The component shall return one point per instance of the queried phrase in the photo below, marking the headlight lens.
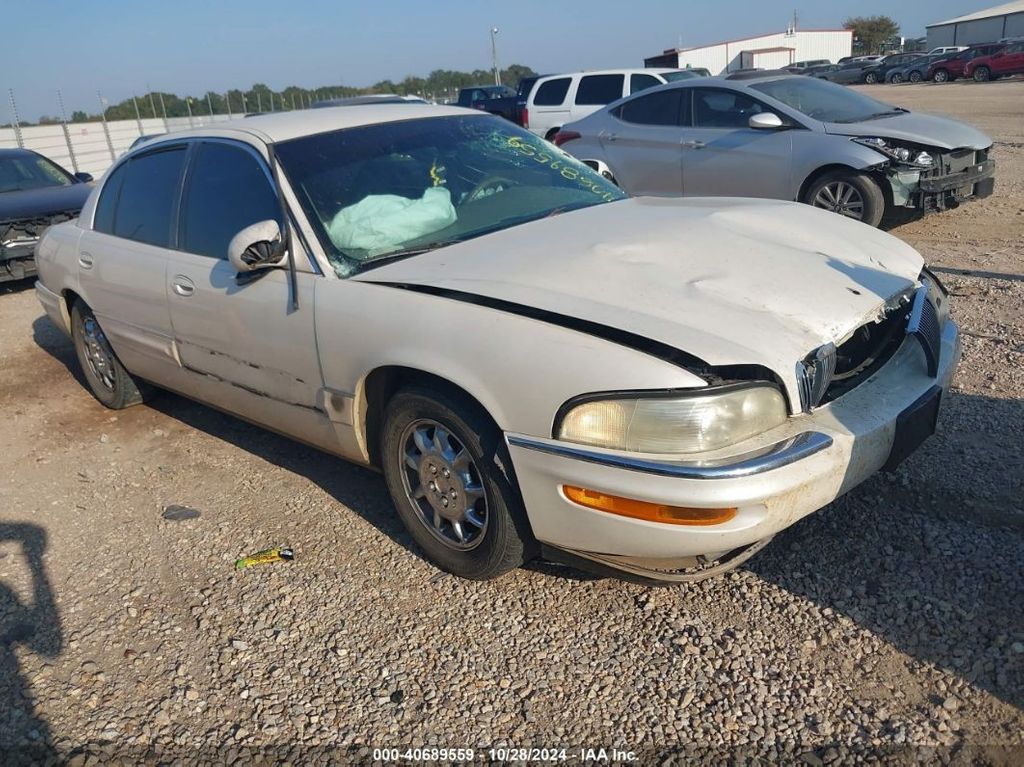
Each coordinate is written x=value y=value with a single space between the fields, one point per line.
x=898 y=153
x=690 y=423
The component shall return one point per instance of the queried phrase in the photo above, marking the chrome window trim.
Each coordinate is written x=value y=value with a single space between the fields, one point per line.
x=774 y=456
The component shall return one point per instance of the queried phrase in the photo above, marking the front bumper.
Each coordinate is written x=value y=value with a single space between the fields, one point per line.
x=914 y=189
x=779 y=478
x=54 y=307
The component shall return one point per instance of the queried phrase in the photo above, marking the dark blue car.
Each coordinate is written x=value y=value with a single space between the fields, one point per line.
x=34 y=193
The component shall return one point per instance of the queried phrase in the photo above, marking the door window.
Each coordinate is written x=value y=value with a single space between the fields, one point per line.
x=552 y=93
x=228 y=190
x=714 y=108
x=599 y=89
x=145 y=205
x=103 y=219
x=662 y=108
x=639 y=82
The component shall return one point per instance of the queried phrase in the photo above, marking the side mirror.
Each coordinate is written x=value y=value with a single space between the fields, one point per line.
x=258 y=246
x=765 y=121
x=84 y=177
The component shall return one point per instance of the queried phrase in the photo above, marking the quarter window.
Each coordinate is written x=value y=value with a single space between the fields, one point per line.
x=639 y=82
x=103 y=219
x=228 y=190
x=552 y=93
x=598 y=90
x=145 y=205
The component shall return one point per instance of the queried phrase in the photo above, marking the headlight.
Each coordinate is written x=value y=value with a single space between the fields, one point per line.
x=675 y=423
x=900 y=154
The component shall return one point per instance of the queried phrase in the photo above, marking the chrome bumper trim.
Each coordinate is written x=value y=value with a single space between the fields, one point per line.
x=772 y=457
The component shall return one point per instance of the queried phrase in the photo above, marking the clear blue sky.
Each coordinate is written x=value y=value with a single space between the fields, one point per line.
x=118 y=47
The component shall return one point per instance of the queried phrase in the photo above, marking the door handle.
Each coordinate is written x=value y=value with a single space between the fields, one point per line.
x=85 y=260
x=183 y=286
x=612 y=136
x=694 y=144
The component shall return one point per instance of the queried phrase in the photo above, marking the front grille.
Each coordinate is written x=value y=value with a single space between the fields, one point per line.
x=924 y=326
x=19 y=237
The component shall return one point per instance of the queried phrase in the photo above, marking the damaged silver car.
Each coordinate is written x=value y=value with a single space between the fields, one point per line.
x=781 y=136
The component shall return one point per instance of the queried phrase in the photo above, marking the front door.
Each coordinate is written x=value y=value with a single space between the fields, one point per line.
x=723 y=156
x=241 y=341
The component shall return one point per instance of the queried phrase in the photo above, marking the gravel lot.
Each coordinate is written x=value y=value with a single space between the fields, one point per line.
x=891 y=621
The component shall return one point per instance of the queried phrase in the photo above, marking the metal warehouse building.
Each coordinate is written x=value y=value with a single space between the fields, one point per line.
x=990 y=25
x=764 y=51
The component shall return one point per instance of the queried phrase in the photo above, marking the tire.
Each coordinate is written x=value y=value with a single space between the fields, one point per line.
x=896 y=79
x=848 y=193
x=941 y=76
x=463 y=457
x=982 y=75
x=550 y=135
x=915 y=77
x=871 y=78
x=107 y=378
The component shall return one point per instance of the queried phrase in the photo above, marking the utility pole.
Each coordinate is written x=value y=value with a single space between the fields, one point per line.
x=138 y=117
x=106 y=129
x=67 y=133
x=227 y=101
x=494 y=56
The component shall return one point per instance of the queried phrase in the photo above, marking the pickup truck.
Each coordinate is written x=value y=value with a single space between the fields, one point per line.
x=499 y=99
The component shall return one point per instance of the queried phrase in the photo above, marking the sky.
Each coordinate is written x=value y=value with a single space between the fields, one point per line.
x=122 y=48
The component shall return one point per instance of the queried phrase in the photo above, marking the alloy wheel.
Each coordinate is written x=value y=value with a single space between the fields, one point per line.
x=443 y=484
x=871 y=78
x=841 y=197
x=915 y=77
x=982 y=74
x=941 y=76
x=896 y=79
x=98 y=354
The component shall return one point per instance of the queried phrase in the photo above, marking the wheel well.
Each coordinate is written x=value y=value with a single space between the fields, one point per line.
x=70 y=298
x=550 y=135
x=382 y=384
x=824 y=169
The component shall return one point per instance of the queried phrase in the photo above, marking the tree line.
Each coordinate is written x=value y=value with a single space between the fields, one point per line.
x=440 y=85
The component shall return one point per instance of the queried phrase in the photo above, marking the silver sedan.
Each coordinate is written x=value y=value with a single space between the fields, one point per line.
x=776 y=135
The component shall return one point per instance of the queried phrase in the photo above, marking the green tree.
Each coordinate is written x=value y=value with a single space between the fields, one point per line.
x=78 y=116
x=870 y=33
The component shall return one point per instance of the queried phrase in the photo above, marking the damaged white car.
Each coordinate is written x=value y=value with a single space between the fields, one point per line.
x=538 y=365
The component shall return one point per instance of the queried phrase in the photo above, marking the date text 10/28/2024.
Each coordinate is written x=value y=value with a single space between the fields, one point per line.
x=506 y=754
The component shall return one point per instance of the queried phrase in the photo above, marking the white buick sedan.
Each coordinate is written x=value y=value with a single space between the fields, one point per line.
x=538 y=365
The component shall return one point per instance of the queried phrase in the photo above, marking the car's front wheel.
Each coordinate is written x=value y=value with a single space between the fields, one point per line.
x=982 y=75
x=941 y=76
x=871 y=78
x=108 y=380
x=848 y=193
x=450 y=477
x=915 y=77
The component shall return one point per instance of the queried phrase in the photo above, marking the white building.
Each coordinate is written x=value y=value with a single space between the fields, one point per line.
x=988 y=26
x=764 y=51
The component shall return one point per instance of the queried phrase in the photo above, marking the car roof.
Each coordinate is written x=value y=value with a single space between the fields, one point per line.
x=623 y=71
x=15 y=152
x=284 y=126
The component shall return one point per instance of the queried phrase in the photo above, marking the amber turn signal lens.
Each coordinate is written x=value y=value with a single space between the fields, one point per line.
x=652 y=512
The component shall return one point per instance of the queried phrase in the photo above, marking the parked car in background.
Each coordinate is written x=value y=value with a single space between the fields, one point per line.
x=35 y=193
x=510 y=106
x=816 y=70
x=787 y=137
x=1008 y=61
x=476 y=96
x=537 y=364
x=878 y=72
x=558 y=99
x=952 y=67
x=798 y=67
x=914 y=71
x=945 y=50
x=850 y=73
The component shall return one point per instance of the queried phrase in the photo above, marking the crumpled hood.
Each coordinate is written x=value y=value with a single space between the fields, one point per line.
x=917 y=128
x=31 y=203
x=731 y=281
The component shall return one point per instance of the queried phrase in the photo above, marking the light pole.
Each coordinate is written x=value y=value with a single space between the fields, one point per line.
x=494 y=56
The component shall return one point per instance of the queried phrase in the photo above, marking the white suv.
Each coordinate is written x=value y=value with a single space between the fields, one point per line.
x=559 y=99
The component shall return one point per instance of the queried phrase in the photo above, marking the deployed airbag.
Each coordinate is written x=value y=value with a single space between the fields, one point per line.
x=382 y=222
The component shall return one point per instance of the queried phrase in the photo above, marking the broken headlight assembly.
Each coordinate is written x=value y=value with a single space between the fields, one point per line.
x=673 y=421
x=915 y=158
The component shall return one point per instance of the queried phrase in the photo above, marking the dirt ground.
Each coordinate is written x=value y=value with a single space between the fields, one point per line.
x=892 y=620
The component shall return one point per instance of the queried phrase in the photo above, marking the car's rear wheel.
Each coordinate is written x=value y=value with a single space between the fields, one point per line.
x=871 y=78
x=848 y=193
x=941 y=76
x=108 y=380
x=915 y=77
x=982 y=75
x=450 y=477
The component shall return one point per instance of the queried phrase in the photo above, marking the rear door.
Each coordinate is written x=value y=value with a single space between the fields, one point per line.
x=723 y=156
x=643 y=145
x=548 y=105
x=122 y=259
x=596 y=91
x=241 y=338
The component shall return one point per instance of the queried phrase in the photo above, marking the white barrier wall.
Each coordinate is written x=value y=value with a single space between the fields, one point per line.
x=87 y=146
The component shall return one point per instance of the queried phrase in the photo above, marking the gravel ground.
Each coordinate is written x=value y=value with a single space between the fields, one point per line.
x=889 y=623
